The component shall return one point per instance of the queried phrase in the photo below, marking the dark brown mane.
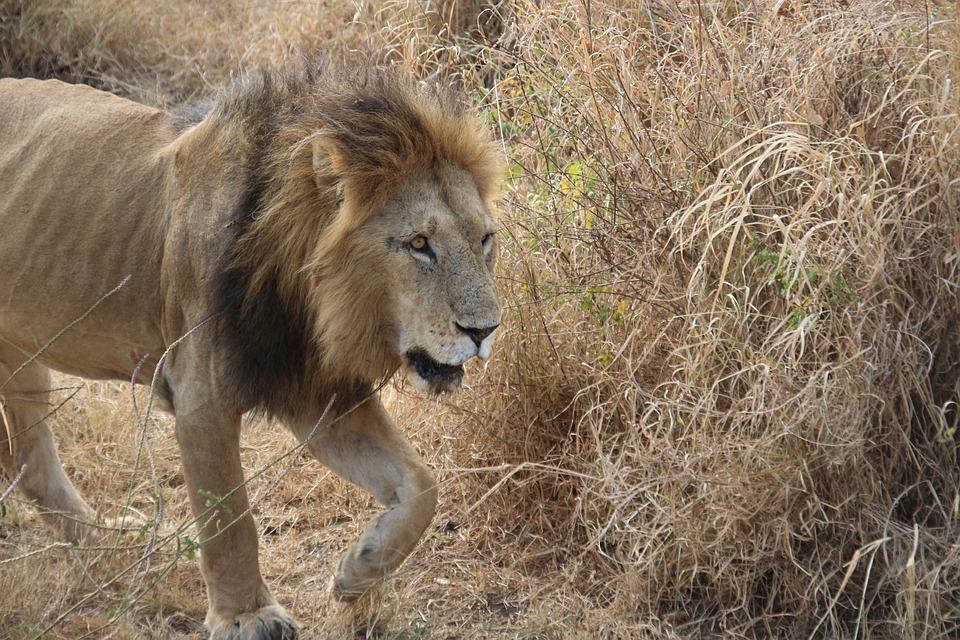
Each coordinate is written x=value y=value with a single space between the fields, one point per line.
x=322 y=149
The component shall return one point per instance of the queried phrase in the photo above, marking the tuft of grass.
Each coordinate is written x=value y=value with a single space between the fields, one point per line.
x=724 y=400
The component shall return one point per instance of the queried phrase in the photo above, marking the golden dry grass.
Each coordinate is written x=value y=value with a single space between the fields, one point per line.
x=724 y=403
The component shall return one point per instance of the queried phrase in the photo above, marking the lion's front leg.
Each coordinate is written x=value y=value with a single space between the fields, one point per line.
x=366 y=448
x=240 y=605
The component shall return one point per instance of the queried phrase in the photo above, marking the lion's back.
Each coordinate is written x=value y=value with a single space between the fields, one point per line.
x=79 y=122
x=31 y=94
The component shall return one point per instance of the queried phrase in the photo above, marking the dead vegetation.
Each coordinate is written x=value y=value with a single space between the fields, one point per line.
x=725 y=403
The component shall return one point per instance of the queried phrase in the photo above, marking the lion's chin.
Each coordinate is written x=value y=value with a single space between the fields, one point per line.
x=432 y=376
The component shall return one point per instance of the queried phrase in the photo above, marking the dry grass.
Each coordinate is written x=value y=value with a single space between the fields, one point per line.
x=725 y=403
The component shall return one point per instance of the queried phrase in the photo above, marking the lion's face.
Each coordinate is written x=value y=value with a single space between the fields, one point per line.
x=440 y=248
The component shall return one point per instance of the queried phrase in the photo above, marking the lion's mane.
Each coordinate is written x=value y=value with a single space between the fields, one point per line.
x=298 y=297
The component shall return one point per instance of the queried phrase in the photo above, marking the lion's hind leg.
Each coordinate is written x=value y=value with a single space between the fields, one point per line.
x=366 y=448
x=26 y=443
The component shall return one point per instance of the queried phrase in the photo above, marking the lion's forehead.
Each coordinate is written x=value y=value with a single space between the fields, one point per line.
x=436 y=208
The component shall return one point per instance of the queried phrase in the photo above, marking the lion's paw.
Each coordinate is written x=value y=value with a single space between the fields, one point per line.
x=79 y=531
x=347 y=591
x=268 y=623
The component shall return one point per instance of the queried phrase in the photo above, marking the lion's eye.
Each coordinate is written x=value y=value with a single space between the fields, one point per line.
x=421 y=249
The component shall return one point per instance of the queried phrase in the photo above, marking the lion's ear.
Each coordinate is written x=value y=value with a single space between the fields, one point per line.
x=362 y=168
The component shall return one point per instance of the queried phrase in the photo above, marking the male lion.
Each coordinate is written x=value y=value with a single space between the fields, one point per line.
x=305 y=239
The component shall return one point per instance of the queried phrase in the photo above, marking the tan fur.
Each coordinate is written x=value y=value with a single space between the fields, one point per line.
x=305 y=239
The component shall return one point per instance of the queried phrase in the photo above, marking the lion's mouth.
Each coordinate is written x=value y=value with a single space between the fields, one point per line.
x=439 y=376
x=428 y=368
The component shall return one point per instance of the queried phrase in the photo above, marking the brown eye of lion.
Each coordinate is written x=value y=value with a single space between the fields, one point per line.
x=419 y=243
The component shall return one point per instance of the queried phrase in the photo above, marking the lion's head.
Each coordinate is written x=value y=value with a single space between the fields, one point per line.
x=437 y=244
x=372 y=231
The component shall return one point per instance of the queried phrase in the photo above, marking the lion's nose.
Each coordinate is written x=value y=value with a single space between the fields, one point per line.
x=477 y=334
